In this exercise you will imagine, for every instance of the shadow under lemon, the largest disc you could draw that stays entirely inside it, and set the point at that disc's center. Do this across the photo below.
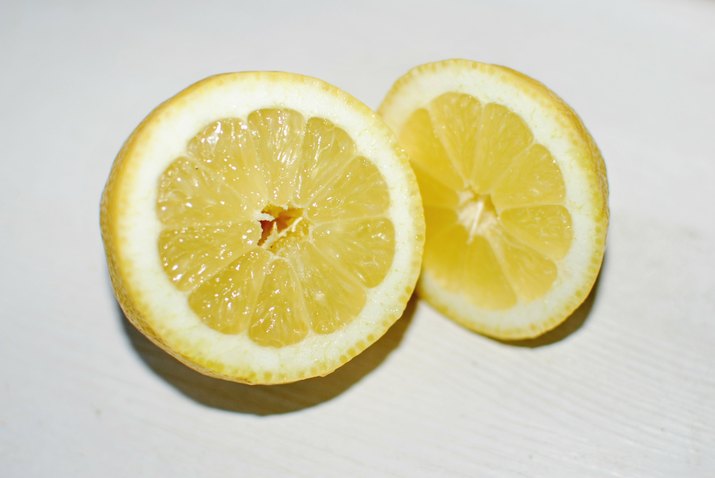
(265, 399)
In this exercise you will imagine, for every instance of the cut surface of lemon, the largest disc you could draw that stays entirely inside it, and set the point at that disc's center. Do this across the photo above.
(262, 227)
(514, 192)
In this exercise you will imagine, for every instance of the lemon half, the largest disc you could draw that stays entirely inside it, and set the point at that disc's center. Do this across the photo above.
(262, 227)
(515, 195)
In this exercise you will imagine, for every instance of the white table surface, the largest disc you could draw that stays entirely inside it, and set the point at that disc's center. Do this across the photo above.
(625, 389)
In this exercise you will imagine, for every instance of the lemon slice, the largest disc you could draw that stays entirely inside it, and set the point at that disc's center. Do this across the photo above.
(514, 191)
(262, 227)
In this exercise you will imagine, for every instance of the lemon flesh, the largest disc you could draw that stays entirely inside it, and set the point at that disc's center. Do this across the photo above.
(493, 200)
(274, 226)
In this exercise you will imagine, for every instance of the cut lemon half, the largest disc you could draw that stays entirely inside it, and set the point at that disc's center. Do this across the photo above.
(262, 227)
(514, 191)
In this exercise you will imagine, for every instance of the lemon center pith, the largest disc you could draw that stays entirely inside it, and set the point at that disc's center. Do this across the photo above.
(476, 213)
(280, 225)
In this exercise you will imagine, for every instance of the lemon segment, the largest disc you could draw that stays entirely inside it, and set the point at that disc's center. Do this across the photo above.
(193, 254)
(332, 296)
(547, 229)
(280, 317)
(227, 301)
(326, 152)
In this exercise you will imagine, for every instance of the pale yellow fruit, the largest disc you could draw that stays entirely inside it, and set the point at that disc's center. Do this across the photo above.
(515, 195)
(262, 227)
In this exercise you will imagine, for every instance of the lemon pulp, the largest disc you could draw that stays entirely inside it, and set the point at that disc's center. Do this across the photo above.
(493, 200)
(274, 226)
